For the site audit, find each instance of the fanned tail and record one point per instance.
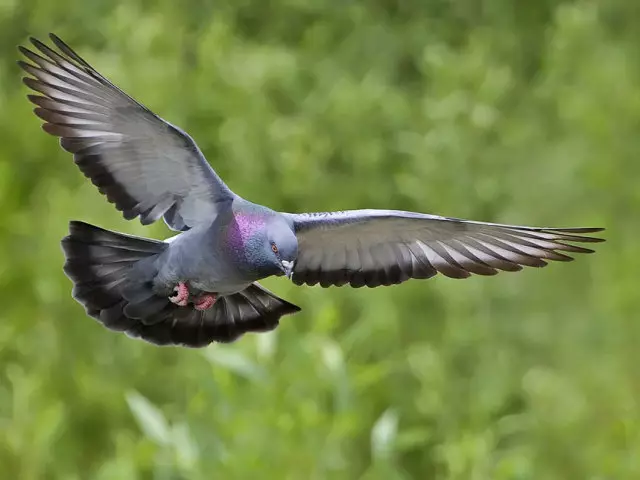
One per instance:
(106, 267)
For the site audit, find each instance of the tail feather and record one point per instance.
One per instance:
(146, 310)
(93, 236)
(113, 279)
(99, 262)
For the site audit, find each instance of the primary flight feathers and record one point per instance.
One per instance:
(144, 165)
(151, 169)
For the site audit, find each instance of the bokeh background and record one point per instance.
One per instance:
(523, 112)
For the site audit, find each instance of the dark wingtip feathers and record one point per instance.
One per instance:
(577, 234)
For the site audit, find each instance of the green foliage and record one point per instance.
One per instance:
(515, 112)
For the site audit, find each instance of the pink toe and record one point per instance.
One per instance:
(205, 302)
(181, 302)
(182, 295)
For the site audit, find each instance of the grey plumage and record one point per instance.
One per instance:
(201, 286)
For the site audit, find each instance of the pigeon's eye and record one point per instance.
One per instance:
(274, 248)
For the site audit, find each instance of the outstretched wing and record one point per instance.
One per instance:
(147, 167)
(383, 247)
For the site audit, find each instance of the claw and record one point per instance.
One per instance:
(205, 302)
(182, 295)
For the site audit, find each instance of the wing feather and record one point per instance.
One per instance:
(385, 247)
(144, 165)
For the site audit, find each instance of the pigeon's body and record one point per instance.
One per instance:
(223, 256)
(194, 257)
(200, 285)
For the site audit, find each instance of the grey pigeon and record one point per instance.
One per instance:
(201, 286)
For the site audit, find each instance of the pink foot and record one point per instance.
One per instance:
(182, 295)
(205, 302)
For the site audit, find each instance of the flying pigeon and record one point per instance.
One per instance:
(201, 286)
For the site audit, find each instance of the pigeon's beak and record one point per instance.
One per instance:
(287, 266)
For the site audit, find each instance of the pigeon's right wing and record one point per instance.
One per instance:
(384, 247)
(147, 167)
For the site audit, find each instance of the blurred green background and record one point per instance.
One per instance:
(496, 110)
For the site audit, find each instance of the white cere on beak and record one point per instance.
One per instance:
(288, 268)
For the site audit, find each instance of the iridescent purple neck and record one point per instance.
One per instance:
(243, 228)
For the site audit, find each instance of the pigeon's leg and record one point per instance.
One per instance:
(181, 296)
(205, 301)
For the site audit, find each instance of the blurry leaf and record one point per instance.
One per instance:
(266, 344)
(50, 421)
(185, 446)
(332, 356)
(150, 418)
(234, 360)
(383, 435)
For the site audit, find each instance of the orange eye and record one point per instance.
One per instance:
(274, 248)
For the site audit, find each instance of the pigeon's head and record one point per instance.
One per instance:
(264, 245)
(282, 245)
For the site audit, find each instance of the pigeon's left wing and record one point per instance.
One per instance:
(147, 167)
(383, 247)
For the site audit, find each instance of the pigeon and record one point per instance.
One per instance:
(200, 286)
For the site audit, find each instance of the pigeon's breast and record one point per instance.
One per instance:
(191, 258)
